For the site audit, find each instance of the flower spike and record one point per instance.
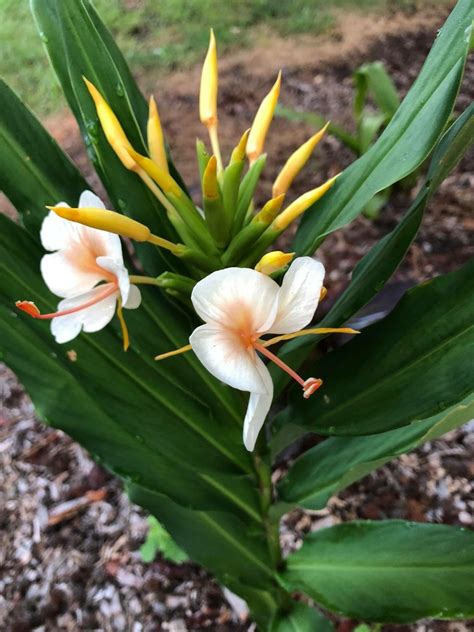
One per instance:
(295, 163)
(156, 142)
(261, 122)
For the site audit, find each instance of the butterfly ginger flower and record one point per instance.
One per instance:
(239, 306)
(86, 269)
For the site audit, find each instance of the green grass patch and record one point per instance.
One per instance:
(162, 35)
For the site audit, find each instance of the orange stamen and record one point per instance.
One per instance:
(309, 386)
(30, 308)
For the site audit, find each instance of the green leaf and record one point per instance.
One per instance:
(243, 555)
(339, 461)
(392, 571)
(34, 171)
(407, 140)
(374, 270)
(302, 618)
(79, 45)
(373, 79)
(158, 540)
(412, 364)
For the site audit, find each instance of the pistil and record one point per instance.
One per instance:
(30, 308)
(309, 385)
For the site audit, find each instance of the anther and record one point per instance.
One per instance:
(310, 386)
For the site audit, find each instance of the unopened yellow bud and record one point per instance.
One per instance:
(295, 163)
(238, 153)
(273, 261)
(102, 219)
(209, 83)
(112, 129)
(156, 141)
(300, 205)
(261, 122)
(270, 210)
(210, 186)
(160, 176)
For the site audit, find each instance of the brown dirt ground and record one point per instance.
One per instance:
(85, 572)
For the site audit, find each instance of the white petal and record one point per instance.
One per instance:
(56, 232)
(224, 355)
(89, 199)
(134, 298)
(66, 328)
(94, 318)
(237, 297)
(65, 275)
(299, 295)
(116, 267)
(257, 411)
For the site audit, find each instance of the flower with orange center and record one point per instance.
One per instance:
(86, 269)
(239, 305)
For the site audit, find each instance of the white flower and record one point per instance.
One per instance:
(86, 269)
(240, 305)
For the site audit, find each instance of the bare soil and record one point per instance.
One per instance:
(76, 566)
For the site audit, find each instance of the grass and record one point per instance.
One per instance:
(162, 35)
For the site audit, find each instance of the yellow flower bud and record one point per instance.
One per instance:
(156, 142)
(112, 129)
(295, 163)
(262, 121)
(210, 186)
(102, 219)
(209, 83)
(270, 210)
(273, 261)
(238, 152)
(161, 177)
(301, 204)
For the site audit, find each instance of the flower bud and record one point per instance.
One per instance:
(238, 152)
(273, 261)
(261, 123)
(156, 142)
(300, 205)
(295, 163)
(102, 219)
(111, 127)
(209, 83)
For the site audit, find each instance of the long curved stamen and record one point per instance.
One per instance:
(305, 332)
(309, 386)
(30, 308)
(168, 354)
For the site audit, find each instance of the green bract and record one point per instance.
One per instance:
(171, 431)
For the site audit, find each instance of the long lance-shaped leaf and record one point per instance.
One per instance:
(414, 363)
(79, 45)
(391, 571)
(203, 534)
(407, 140)
(339, 461)
(159, 412)
(33, 169)
(374, 270)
